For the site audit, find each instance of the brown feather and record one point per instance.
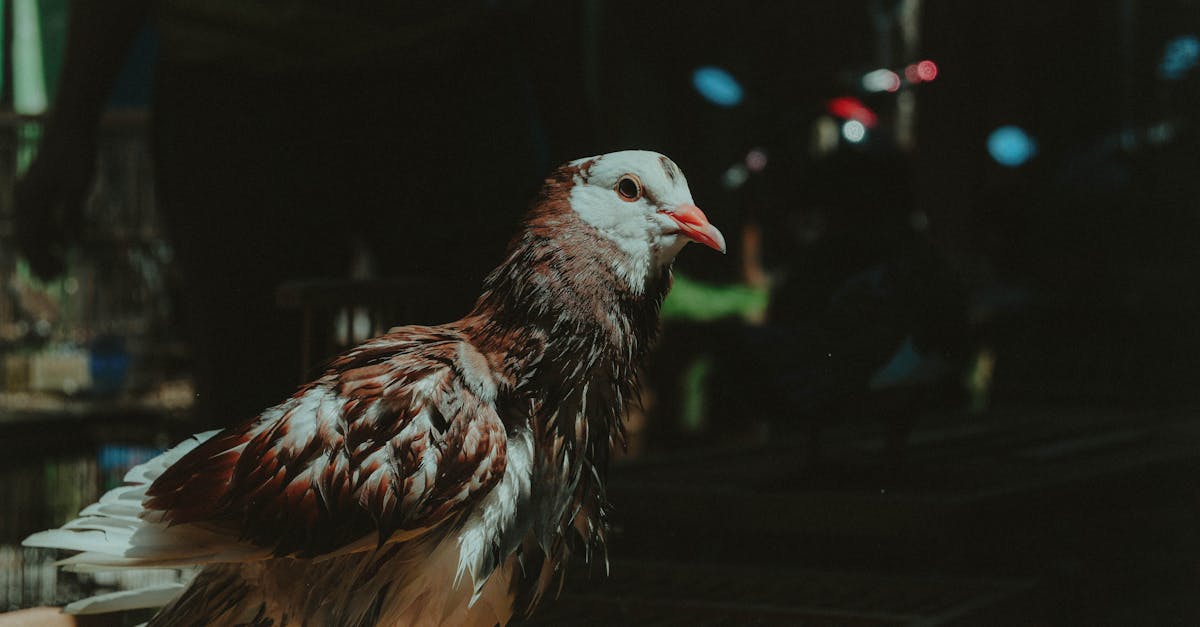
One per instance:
(297, 500)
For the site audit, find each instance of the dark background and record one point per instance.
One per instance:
(1042, 471)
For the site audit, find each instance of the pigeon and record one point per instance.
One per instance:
(434, 475)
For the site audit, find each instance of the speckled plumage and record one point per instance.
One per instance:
(432, 475)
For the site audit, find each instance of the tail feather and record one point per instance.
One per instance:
(148, 471)
(115, 511)
(70, 540)
(150, 596)
(117, 533)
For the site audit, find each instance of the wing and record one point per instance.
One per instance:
(399, 435)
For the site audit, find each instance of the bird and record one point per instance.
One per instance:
(434, 475)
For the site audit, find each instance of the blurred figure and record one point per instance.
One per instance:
(865, 316)
(284, 131)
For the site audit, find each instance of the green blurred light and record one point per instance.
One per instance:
(29, 77)
(703, 302)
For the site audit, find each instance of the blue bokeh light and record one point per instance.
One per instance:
(1180, 55)
(717, 86)
(1011, 146)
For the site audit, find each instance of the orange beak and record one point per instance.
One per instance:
(695, 225)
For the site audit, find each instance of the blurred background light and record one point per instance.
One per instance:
(1011, 146)
(854, 131)
(29, 76)
(756, 160)
(927, 70)
(1161, 133)
(849, 108)
(1180, 55)
(911, 74)
(735, 176)
(881, 80)
(717, 86)
(826, 135)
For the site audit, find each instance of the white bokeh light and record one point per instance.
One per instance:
(854, 131)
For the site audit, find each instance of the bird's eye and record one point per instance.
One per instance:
(629, 187)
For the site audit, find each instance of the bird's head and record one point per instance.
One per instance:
(640, 202)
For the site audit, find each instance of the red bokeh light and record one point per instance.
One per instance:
(850, 108)
(911, 74)
(927, 70)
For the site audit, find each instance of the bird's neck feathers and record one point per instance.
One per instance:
(558, 296)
